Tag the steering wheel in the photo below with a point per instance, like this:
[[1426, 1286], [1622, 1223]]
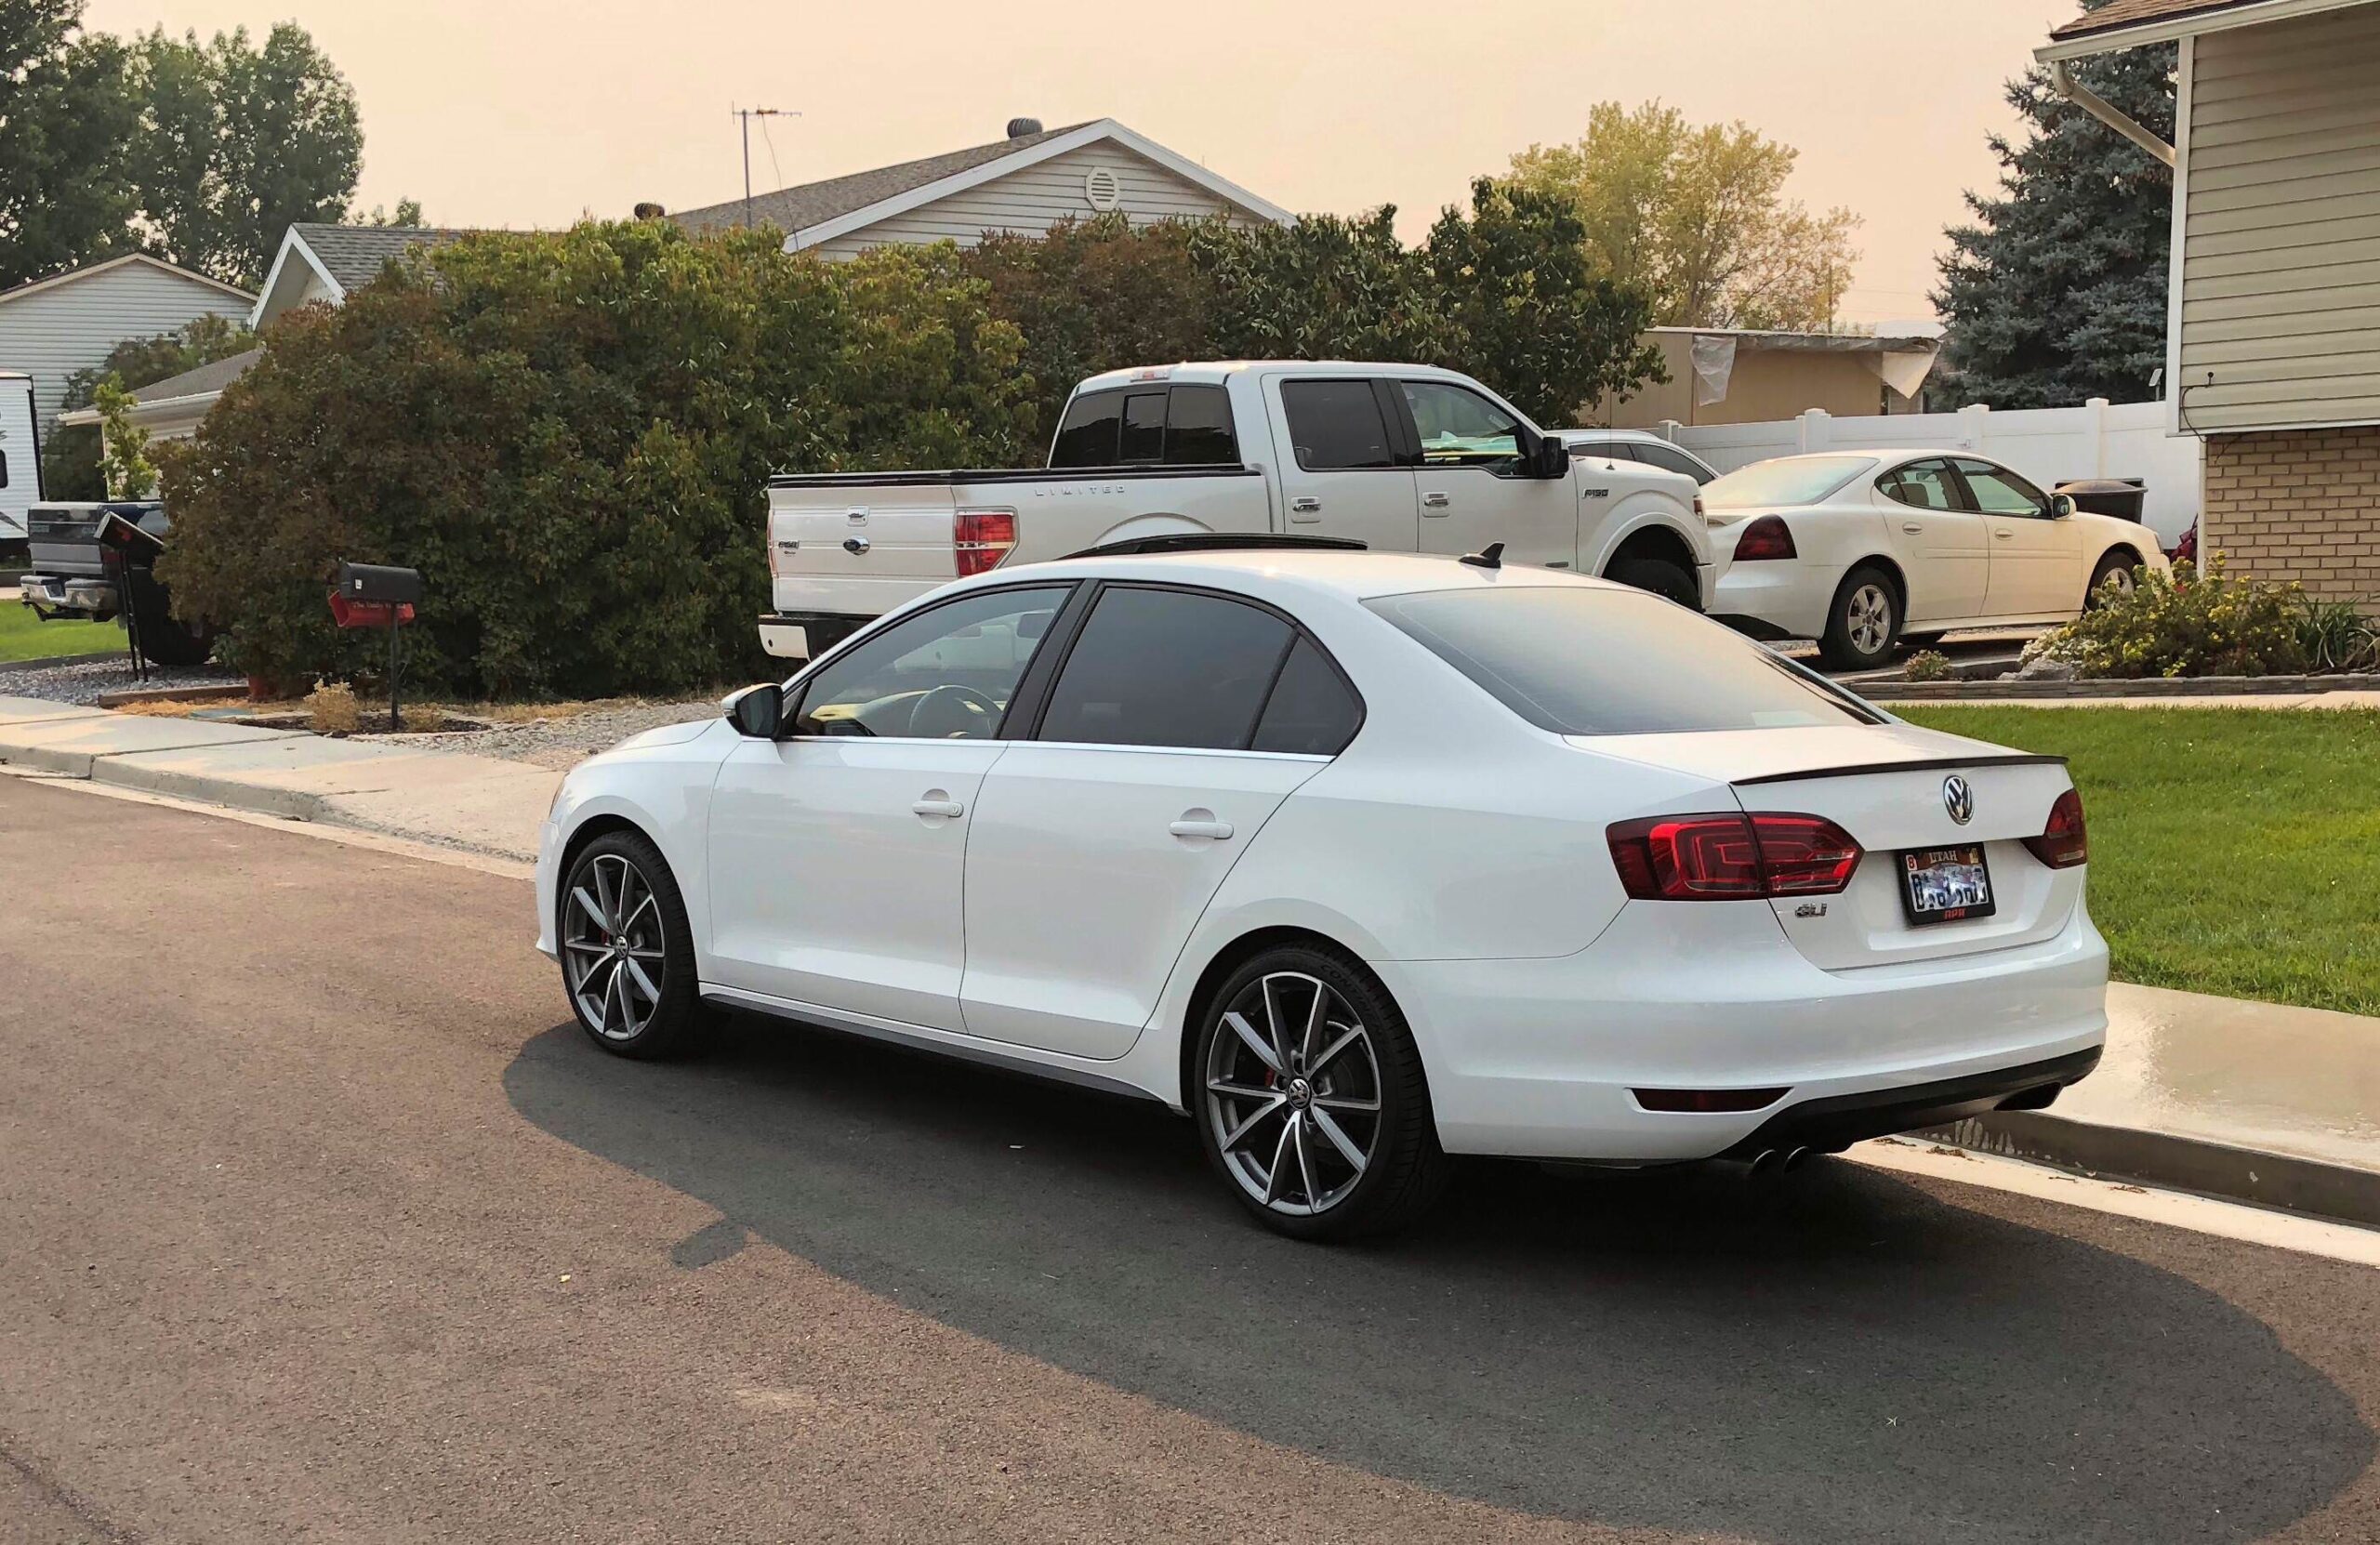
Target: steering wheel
[[951, 712]]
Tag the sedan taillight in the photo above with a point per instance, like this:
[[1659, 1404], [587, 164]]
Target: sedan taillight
[[1732, 856], [2063, 843], [1766, 538], [982, 538]]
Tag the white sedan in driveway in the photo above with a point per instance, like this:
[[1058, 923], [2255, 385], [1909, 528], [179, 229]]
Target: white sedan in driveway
[[1361, 861], [1863, 549]]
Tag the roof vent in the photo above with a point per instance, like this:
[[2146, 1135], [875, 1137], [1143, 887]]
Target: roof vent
[[650, 211], [1019, 127]]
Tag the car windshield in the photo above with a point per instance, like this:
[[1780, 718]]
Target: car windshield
[[1592, 660], [1793, 480]]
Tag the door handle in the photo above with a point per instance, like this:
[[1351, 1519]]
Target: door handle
[[2006, 535], [1915, 528], [938, 803], [1189, 826], [1306, 505], [1435, 501]]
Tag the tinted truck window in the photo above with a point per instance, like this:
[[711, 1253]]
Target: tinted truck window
[[1336, 426], [1088, 436], [1198, 428]]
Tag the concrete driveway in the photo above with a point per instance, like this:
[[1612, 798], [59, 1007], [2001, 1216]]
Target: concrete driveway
[[321, 1222]]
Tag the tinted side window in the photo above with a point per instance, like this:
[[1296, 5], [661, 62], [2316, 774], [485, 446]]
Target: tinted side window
[[941, 675], [1672, 461], [1336, 426], [1310, 711], [1088, 436], [1197, 428], [1144, 437], [1165, 668]]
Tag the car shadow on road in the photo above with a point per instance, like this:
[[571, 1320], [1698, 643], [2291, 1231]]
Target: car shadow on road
[[1844, 1358]]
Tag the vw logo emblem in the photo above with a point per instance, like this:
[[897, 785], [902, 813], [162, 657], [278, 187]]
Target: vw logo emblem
[[1958, 799]]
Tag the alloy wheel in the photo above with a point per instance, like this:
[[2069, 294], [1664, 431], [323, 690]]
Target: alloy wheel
[[1294, 1093], [2119, 581], [614, 947], [1868, 618]]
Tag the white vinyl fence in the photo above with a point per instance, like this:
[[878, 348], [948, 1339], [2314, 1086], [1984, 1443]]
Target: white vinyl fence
[[2049, 445]]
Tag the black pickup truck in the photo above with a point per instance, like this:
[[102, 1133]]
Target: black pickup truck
[[96, 560]]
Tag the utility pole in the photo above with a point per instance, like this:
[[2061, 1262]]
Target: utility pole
[[746, 115]]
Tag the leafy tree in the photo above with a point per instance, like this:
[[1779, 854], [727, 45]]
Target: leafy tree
[[70, 457], [1326, 287], [239, 144], [2057, 293], [408, 214], [1697, 217], [1536, 323], [66, 114], [571, 435], [124, 463]]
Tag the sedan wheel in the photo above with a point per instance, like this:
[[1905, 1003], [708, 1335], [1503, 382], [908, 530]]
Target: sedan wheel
[[2114, 582], [1311, 1099], [627, 959], [1866, 620]]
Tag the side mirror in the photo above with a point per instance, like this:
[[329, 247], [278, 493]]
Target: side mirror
[[1544, 456], [758, 711], [2061, 506]]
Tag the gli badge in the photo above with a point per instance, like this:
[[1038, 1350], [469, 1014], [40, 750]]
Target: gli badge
[[1958, 799]]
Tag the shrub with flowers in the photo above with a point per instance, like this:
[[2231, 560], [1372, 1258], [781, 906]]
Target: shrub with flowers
[[2185, 624]]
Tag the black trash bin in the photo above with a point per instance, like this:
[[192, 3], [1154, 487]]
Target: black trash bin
[[2121, 497]]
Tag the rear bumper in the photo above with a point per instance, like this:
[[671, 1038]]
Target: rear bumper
[[1539, 1058], [805, 635], [1834, 1122], [1775, 601], [51, 592]]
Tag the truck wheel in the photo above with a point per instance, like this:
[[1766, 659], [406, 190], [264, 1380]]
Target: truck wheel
[[1662, 577], [1863, 622], [166, 642]]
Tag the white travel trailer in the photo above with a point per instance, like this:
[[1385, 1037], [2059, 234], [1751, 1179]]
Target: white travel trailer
[[20, 455]]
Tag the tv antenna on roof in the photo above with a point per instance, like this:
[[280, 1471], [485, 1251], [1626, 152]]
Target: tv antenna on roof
[[745, 116]]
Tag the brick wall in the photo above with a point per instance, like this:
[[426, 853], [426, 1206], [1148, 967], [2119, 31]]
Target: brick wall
[[2297, 504]]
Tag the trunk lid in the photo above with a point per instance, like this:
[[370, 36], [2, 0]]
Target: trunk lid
[[1886, 786]]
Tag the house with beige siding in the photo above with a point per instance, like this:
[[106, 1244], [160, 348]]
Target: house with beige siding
[[1024, 183], [53, 327], [1750, 376], [2273, 313]]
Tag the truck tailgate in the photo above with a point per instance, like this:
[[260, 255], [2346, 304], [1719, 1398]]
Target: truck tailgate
[[888, 530]]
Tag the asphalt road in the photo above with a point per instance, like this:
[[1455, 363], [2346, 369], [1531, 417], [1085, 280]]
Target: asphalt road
[[318, 1222]]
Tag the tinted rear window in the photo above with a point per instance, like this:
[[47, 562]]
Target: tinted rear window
[[1087, 438], [1336, 426], [1198, 428], [1598, 661], [1165, 668]]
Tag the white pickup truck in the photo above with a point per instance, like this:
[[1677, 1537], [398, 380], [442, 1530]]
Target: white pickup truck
[[1402, 458]]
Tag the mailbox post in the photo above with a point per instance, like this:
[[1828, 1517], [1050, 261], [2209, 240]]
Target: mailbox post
[[368, 595]]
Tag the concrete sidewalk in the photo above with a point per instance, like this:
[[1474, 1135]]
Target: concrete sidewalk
[[2257, 1102]]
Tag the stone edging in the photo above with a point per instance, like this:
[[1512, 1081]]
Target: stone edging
[[2185, 686]]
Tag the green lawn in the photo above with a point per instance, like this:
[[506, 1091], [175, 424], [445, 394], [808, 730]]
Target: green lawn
[[2234, 851], [26, 637]]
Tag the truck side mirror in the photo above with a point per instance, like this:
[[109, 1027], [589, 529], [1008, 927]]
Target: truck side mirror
[[758, 712], [1544, 456]]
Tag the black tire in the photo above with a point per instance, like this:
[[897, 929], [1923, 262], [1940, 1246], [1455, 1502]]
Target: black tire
[[164, 642], [604, 1000], [1662, 577], [1404, 1170], [1858, 637], [2116, 562]]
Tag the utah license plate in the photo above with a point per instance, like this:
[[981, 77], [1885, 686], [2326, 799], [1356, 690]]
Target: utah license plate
[[1941, 885]]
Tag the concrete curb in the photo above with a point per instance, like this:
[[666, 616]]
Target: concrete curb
[[2187, 686], [2278, 1181]]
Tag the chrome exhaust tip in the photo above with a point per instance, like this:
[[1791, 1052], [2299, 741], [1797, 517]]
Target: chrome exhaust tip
[[1794, 1159], [1767, 1162]]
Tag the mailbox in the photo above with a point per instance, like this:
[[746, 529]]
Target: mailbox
[[377, 595]]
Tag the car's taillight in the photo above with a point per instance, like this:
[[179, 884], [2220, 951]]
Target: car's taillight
[[2063, 843], [1732, 857], [771, 543], [982, 539], [1766, 538]]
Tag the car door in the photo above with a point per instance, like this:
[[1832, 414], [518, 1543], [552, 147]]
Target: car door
[[837, 854], [1342, 471], [1939, 539], [1472, 490], [2036, 559], [1177, 724]]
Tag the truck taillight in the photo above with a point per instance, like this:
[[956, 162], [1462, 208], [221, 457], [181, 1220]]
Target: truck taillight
[[1766, 538], [770, 541], [1732, 857], [2063, 843], [982, 538]]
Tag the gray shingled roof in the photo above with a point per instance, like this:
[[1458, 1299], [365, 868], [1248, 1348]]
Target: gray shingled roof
[[2117, 14], [356, 253], [206, 377], [797, 208]]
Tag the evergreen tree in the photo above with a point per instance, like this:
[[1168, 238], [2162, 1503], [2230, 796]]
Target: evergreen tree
[[2056, 294]]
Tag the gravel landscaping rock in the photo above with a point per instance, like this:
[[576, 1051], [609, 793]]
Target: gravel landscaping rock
[[560, 742], [83, 680]]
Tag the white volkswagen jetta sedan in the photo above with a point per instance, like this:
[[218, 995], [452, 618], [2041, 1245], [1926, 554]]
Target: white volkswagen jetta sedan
[[1359, 860], [1861, 549]]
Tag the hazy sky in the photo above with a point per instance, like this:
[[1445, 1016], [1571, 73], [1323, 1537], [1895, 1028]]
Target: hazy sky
[[530, 112]]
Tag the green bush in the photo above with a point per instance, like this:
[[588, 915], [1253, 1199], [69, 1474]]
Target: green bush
[[571, 436], [2339, 637], [1926, 664], [2188, 624]]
